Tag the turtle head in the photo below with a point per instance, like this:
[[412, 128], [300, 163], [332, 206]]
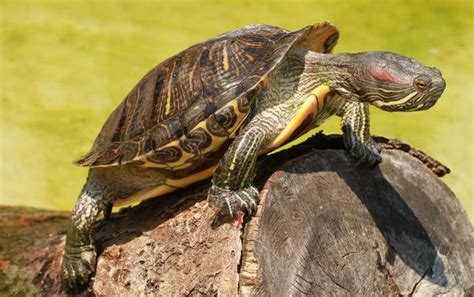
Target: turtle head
[[394, 82]]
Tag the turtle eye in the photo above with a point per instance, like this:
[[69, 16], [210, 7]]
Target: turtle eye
[[422, 83]]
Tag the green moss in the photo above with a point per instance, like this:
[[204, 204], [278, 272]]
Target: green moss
[[66, 65]]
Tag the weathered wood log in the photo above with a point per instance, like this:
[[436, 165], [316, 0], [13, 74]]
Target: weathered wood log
[[324, 227]]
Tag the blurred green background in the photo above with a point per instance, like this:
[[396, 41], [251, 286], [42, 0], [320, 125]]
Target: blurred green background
[[65, 65]]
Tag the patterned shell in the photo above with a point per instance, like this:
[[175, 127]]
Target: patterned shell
[[202, 89]]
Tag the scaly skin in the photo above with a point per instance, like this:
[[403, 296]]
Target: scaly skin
[[355, 126], [386, 80], [79, 258], [232, 189], [103, 186]]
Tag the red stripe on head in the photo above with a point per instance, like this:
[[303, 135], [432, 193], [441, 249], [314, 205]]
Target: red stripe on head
[[383, 75]]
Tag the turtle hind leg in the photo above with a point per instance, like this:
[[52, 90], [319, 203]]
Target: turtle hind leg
[[79, 259], [104, 187]]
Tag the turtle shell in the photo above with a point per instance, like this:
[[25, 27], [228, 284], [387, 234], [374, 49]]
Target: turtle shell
[[194, 101]]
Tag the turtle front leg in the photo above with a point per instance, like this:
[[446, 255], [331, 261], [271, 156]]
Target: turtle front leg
[[79, 260], [232, 191], [355, 126]]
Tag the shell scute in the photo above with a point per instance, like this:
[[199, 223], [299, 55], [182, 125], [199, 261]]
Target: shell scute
[[214, 126], [198, 112], [196, 141], [211, 85], [166, 155]]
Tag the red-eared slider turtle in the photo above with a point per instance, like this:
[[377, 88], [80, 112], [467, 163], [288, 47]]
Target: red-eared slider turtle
[[212, 109]]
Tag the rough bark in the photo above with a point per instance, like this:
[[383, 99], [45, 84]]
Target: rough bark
[[324, 227]]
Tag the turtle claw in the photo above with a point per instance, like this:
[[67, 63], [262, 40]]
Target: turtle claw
[[366, 153], [77, 268], [231, 204]]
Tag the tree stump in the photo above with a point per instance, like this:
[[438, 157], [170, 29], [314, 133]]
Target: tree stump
[[324, 226]]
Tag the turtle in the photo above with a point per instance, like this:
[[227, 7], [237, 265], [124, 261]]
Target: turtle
[[212, 109]]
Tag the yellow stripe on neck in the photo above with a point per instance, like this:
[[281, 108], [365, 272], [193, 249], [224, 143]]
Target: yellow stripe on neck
[[380, 103]]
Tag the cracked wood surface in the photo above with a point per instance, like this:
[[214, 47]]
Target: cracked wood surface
[[324, 227]]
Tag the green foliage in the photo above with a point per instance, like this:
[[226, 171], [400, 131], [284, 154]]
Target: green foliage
[[66, 64]]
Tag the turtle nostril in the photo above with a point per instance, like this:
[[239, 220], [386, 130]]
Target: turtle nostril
[[442, 83], [437, 71]]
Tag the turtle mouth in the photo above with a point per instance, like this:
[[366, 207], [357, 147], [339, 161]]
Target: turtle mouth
[[424, 105], [433, 98], [418, 103], [420, 107], [427, 104]]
